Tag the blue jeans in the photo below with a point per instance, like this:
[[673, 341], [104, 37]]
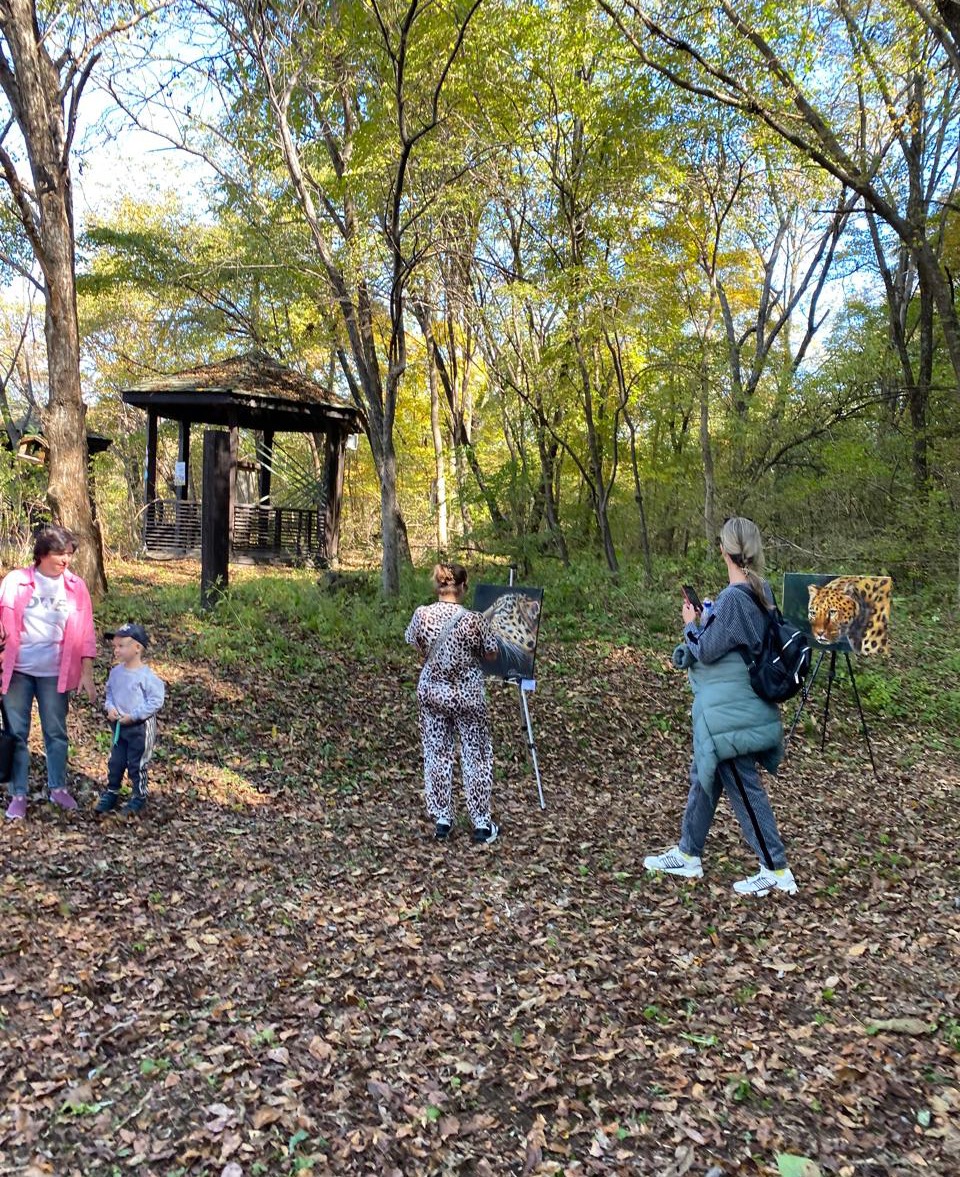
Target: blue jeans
[[52, 706], [740, 781]]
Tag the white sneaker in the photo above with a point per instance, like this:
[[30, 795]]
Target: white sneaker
[[765, 881], [675, 862]]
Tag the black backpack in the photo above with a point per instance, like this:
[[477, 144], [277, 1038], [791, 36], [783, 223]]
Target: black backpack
[[778, 668]]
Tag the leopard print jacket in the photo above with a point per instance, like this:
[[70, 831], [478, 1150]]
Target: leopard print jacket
[[452, 680]]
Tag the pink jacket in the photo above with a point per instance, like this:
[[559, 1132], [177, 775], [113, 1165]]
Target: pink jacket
[[79, 636]]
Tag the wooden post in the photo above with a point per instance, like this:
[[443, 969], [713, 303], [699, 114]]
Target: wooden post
[[183, 455], [266, 467], [150, 474], [182, 492], [215, 517], [234, 454], [335, 444]]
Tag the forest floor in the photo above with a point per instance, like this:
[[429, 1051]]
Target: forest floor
[[277, 970]]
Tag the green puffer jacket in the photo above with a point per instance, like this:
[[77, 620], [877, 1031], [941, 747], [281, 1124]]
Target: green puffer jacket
[[728, 718]]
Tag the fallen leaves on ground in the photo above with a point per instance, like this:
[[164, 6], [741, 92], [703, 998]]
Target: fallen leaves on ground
[[279, 971]]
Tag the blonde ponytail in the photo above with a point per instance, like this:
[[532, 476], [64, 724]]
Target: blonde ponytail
[[740, 538]]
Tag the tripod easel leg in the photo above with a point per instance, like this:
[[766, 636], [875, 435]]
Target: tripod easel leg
[[531, 746], [807, 688], [863, 722], [831, 675], [528, 726]]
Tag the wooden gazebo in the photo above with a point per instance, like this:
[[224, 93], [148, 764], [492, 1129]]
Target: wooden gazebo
[[253, 392]]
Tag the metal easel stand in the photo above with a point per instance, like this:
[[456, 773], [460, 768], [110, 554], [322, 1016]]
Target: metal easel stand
[[527, 686], [831, 675]]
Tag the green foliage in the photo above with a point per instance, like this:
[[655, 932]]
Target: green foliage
[[594, 248], [274, 618], [22, 506], [265, 619]]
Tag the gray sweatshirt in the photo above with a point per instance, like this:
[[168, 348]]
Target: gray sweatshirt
[[138, 693]]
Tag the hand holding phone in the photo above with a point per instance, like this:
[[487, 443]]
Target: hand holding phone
[[690, 594]]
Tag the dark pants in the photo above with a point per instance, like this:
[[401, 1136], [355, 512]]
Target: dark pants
[[132, 753]]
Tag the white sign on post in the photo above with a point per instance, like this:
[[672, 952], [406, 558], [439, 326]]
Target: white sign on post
[[180, 474]]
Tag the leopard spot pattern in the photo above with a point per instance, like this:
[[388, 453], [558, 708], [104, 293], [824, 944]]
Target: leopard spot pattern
[[853, 607], [514, 620]]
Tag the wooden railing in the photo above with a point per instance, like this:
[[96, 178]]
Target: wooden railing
[[172, 528]]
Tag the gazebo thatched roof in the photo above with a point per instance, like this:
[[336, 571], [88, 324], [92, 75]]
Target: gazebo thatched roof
[[251, 391]]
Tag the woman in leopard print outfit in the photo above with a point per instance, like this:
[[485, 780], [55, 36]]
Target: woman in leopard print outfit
[[452, 702]]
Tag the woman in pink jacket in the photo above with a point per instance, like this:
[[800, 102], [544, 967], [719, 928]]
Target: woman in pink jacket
[[50, 644]]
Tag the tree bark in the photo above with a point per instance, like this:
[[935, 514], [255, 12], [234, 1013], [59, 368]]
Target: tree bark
[[458, 408], [439, 455], [32, 84], [706, 444]]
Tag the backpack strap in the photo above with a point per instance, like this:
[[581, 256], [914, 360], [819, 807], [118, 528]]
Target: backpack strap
[[749, 590], [770, 615]]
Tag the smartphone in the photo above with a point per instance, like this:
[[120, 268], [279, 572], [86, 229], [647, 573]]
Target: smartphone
[[691, 594]]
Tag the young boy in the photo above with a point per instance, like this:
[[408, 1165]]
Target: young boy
[[134, 696]]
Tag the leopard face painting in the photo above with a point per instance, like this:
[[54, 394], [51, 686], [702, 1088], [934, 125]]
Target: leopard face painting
[[855, 608], [514, 620]]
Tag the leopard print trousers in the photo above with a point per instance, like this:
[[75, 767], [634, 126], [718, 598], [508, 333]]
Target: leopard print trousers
[[439, 730]]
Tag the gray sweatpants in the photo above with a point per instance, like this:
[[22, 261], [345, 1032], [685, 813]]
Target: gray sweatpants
[[740, 780]]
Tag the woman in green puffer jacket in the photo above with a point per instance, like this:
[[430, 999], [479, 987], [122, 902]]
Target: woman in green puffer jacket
[[733, 728]]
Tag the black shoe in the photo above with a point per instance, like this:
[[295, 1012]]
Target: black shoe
[[442, 832], [108, 802], [134, 807], [484, 835]]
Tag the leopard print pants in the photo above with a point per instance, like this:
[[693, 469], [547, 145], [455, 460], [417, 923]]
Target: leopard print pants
[[439, 731]]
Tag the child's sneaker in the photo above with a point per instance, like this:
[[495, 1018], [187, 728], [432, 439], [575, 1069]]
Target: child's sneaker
[[442, 832], [675, 862], [64, 798], [484, 835], [134, 807], [765, 881], [17, 809], [108, 802]]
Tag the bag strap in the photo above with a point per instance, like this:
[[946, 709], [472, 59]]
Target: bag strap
[[751, 593], [771, 617], [444, 634]]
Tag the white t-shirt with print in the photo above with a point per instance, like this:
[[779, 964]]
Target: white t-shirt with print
[[44, 620]]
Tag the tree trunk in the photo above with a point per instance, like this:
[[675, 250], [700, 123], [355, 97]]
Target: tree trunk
[[31, 82], [64, 423], [706, 445], [919, 395], [439, 457], [599, 490], [390, 524], [551, 508], [638, 498]]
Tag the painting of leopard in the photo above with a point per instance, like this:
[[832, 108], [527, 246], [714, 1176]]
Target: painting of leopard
[[514, 619], [851, 608]]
